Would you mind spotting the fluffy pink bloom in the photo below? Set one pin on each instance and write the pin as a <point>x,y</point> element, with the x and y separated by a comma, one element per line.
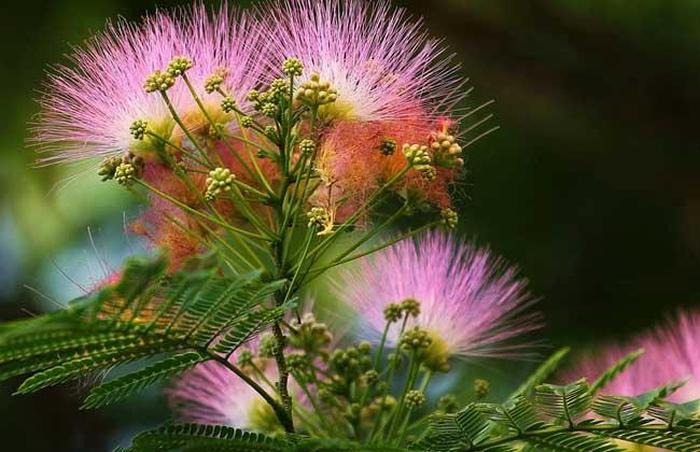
<point>672,353</point>
<point>469,299</point>
<point>378,58</point>
<point>212,394</point>
<point>90,104</point>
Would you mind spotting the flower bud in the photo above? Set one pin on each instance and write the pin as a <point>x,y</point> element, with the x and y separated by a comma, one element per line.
<point>293,67</point>
<point>138,129</point>
<point>414,398</point>
<point>179,65</point>
<point>449,218</point>
<point>158,81</point>
<point>220,180</point>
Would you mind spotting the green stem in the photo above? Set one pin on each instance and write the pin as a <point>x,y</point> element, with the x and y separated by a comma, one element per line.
<point>189,209</point>
<point>184,128</point>
<point>280,412</point>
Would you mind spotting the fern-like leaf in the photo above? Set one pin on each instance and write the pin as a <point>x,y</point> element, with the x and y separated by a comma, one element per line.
<point>615,370</point>
<point>565,403</point>
<point>541,374</point>
<point>126,385</point>
<point>201,438</point>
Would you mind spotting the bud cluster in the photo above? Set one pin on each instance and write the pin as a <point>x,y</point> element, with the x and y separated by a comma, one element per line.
<point>124,170</point>
<point>481,388</point>
<point>415,339</point>
<point>419,158</point>
<point>293,67</point>
<point>320,218</point>
<point>449,218</point>
<point>213,82</point>
<point>446,152</point>
<point>220,180</point>
<point>138,129</point>
<point>315,93</point>
<point>309,335</point>
<point>307,147</point>
<point>414,398</point>
<point>352,362</point>
<point>179,65</point>
<point>158,81</point>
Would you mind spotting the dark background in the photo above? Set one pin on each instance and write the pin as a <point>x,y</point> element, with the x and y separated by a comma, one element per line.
<point>591,185</point>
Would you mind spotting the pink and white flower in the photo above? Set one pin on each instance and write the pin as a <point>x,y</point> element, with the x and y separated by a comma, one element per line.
<point>89,104</point>
<point>671,354</point>
<point>379,58</point>
<point>470,302</point>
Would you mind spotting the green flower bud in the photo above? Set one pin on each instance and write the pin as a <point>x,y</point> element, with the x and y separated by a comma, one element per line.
<point>307,147</point>
<point>268,109</point>
<point>158,81</point>
<point>253,95</point>
<point>371,377</point>
<point>481,388</point>
<point>319,217</point>
<point>316,93</point>
<point>364,347</point>
<point>414,398</point>
<point>228,104</point>
<point>179,65</point>
<point>419,158</point>
<point>415,339</point>
<point>293,67</point>
<point>220,180</point>
<point>268,345</point>
<point>108,167</point>
<point>125,174</point>
<point>279,89</point>
<point>410,307</point>
<point>214,82</point>
<point>393,312</point>
<point>449,218</point>
<point>270,132</point>
<point>138,129</point>
<point>247,122</point>
<point>447,153</point>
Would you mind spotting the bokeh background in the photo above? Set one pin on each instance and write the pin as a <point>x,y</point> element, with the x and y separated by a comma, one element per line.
<point>592,184</point>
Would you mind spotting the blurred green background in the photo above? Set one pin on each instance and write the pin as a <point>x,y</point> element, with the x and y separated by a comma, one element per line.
<point>591,185</point>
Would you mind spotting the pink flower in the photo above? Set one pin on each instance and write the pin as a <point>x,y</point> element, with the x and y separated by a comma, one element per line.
<point>672,354</point>
<point>89,105</point>
<point>211,394</point>
<point>470,302</point>
<point>379,59</point>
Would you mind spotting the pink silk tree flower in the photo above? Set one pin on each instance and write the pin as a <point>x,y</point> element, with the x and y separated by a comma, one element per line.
<point>90,104</point>
<point>671,354</point>
<point>379,59</point>
<point>470,302</point>
<point>212,394</point>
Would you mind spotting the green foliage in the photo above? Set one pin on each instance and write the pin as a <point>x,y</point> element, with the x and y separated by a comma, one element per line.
<point>193,437</point>
<point>147,313</point>
<point>615,370</point>
<point>567,418</point>
<point>544,371</point>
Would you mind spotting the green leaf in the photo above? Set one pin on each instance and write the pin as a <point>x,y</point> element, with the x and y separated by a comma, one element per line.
<point>126,385</point>
<point>74,368</point>
<point>677,441</point>
<point>543,372</point>
<point>615,370</point>
<point>621,409</point>
<point>199,437</point>
<point>518,414</point>
<point>573,442</point>
<point>566,403</point>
